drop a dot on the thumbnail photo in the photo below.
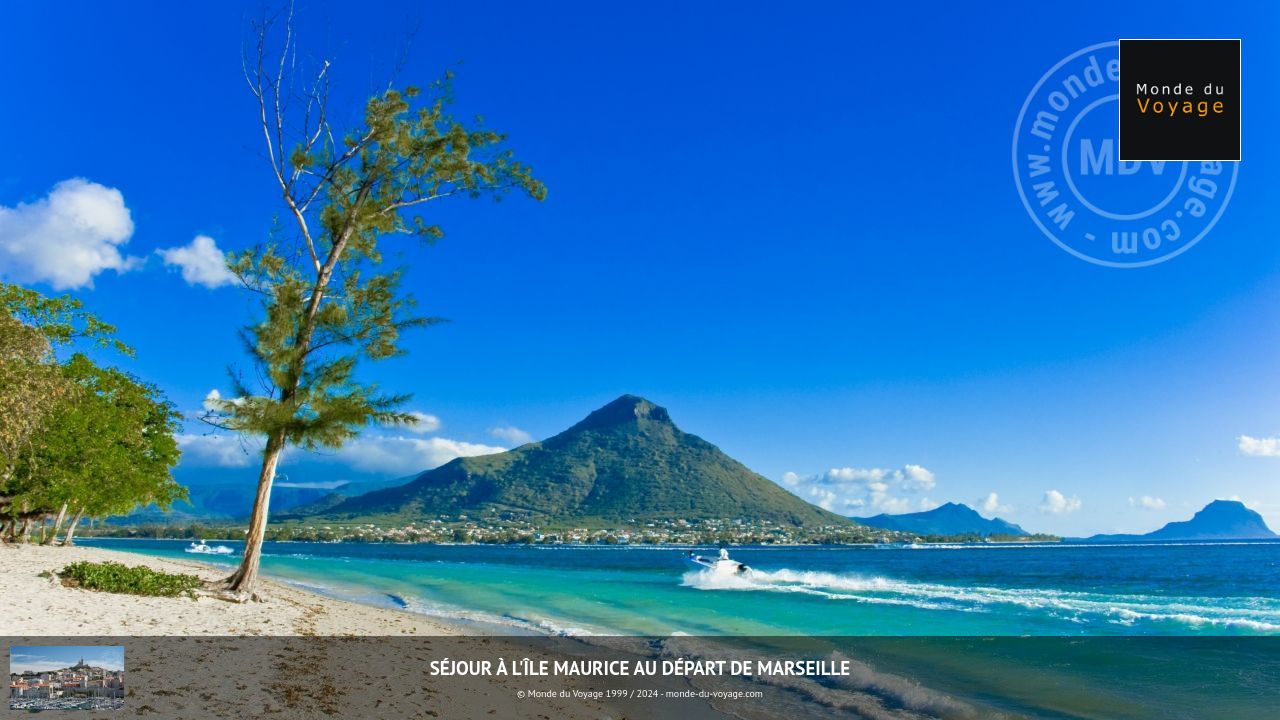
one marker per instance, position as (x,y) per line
(66,677)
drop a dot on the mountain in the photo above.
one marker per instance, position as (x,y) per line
(949,519)
(626,462)
(1219,520)
(223,500)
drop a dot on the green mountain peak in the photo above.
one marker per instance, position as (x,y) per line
(626,462)
(625,409)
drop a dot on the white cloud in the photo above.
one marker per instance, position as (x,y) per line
(919,478)
(221,450)
(321,485)
(1058,504)
(396,455)
(201,262)
(214,402)
(848,474)
(391,455)
(1147,502)
(1260,447)
(910,476)
(991,505)
(865,491)
(511,434)
(66,238)
(426,423)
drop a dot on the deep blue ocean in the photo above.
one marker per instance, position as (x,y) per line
(1223,588)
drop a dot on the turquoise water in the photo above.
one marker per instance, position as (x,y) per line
(1037,590)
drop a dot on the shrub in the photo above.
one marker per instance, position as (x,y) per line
(117,578)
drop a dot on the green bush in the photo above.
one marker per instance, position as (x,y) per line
(118,578)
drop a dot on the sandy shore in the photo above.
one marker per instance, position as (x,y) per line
(296,655)
(303,655)
(32,605)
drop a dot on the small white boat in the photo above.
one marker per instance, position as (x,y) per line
(203,548)
(719,565)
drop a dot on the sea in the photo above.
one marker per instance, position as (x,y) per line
(1062,630)
(995,589)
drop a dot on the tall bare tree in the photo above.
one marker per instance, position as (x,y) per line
(328,299)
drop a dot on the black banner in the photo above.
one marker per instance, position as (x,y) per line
(686,677)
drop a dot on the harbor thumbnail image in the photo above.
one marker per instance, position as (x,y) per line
(66,677)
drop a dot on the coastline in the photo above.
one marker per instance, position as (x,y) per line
(34,605)
(315,654)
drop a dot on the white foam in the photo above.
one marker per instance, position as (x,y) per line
(536,625)
(1248,614)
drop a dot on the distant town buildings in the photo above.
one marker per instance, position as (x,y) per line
(513,528)
(506,528)
(79,687)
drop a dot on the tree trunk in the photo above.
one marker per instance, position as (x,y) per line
(244,579)
(71,529)
(26,530)
(57,526)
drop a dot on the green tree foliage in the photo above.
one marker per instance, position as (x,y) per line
(29,389)
(77,438)
(61,320)
(31,326)
(107,449)
(328,298)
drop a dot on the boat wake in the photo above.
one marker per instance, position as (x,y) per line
(1136,613)
(204,548)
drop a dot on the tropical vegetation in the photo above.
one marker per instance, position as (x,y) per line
(130,580)
(78,439)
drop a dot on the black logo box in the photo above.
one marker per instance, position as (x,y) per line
(1211,132)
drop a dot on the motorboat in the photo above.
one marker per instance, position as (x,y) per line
(204,548)
(718,565)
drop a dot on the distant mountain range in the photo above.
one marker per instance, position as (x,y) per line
(626,462)
(948,519)
(1219,520)
(232,500)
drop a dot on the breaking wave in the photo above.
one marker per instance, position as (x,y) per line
(1154,613)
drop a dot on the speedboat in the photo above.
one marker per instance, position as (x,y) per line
(718,565)
(203,548)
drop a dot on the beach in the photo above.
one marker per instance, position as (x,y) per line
(34,605)
(297,654)
(1055,589)
(345,650)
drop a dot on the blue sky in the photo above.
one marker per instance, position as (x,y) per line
(794,227)
(39,658)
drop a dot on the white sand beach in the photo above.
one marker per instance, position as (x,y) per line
(34,605)
(298,654)
(295,655)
